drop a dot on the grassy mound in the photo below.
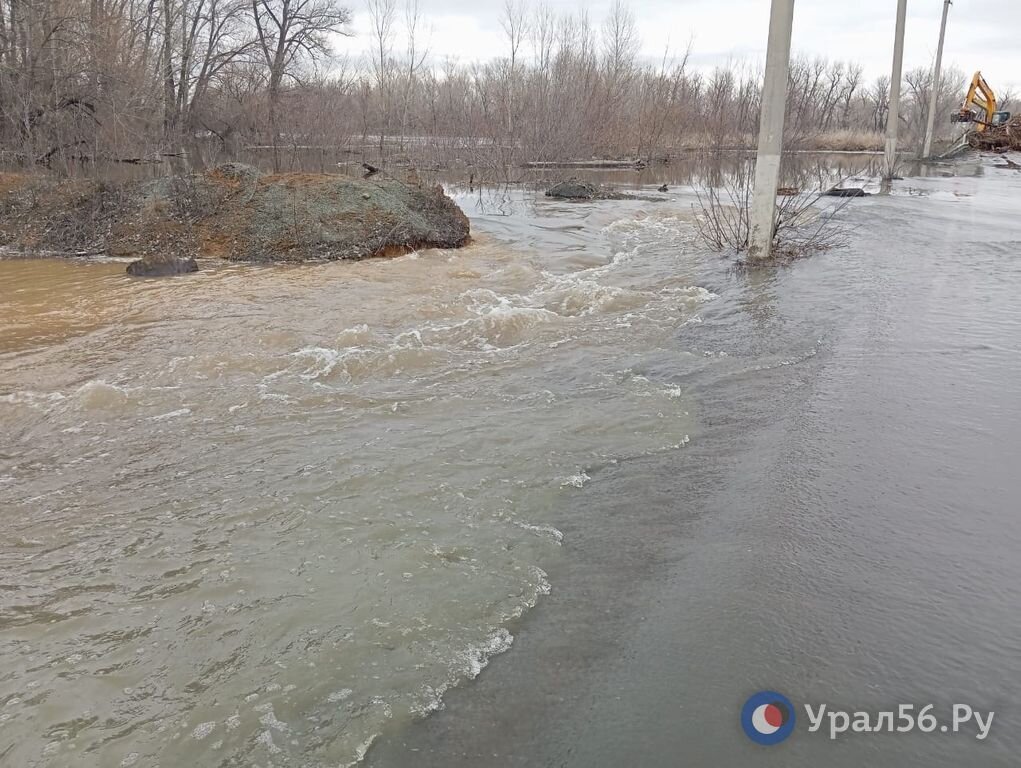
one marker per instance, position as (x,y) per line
(231,212)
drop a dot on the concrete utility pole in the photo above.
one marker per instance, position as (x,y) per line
(762,215)
(934,97)
(893,118)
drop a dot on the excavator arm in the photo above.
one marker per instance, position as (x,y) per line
(993,129)
(980,106)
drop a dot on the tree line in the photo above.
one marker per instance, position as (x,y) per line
(138,79)
(113,78)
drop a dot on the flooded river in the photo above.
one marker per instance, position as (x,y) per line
(280,515)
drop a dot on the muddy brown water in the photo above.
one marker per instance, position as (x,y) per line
(564,497)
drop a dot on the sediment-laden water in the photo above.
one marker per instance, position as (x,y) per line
(272,515)
(841,527)
(256,515)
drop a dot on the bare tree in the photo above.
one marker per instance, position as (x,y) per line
(514,23)
(211,35)
(290,33)
(382,14)
(878,99)
(128,79)
(414,59)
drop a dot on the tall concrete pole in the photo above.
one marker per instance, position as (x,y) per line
(774,107)
(934,97)
(893,118)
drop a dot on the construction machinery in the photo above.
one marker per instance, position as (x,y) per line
(980,107)
(993,130)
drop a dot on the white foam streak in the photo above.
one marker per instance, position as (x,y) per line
(575,481)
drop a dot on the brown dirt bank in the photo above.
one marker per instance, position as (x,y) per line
(231,212)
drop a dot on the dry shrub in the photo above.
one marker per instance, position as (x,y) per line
(805,223)
(846,141)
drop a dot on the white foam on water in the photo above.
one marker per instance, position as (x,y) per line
(361,751)
(694,293)
(633,224)
(356,334)
(100,394)
(541,587)
(546,531)
(414,335)
(618,260)
(407,351)
(498,323)
(574,296)
(472,660)
(202,730)
(506,325)
(383,705)
(477,657)
(467,665)
(322,360)
(277,396)
(266,740)
(269,720)
(171,415)
(32,399)
(652,229)
(575,481)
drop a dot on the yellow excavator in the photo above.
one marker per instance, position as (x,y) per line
(980,107)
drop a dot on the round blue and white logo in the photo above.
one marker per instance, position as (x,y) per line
(767,717)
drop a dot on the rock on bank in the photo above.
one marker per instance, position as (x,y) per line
(231,212)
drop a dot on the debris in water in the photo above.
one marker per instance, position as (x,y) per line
(846,192)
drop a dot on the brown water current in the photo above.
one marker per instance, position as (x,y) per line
(257,514)
(275,515)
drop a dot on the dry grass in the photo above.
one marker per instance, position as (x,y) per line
(11,181)
(845,141)
(826,141)
(298,180)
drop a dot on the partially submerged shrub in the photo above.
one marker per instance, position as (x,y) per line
(804,224)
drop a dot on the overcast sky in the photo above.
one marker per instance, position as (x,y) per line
(982,34)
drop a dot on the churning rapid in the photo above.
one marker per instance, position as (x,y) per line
(254,515)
